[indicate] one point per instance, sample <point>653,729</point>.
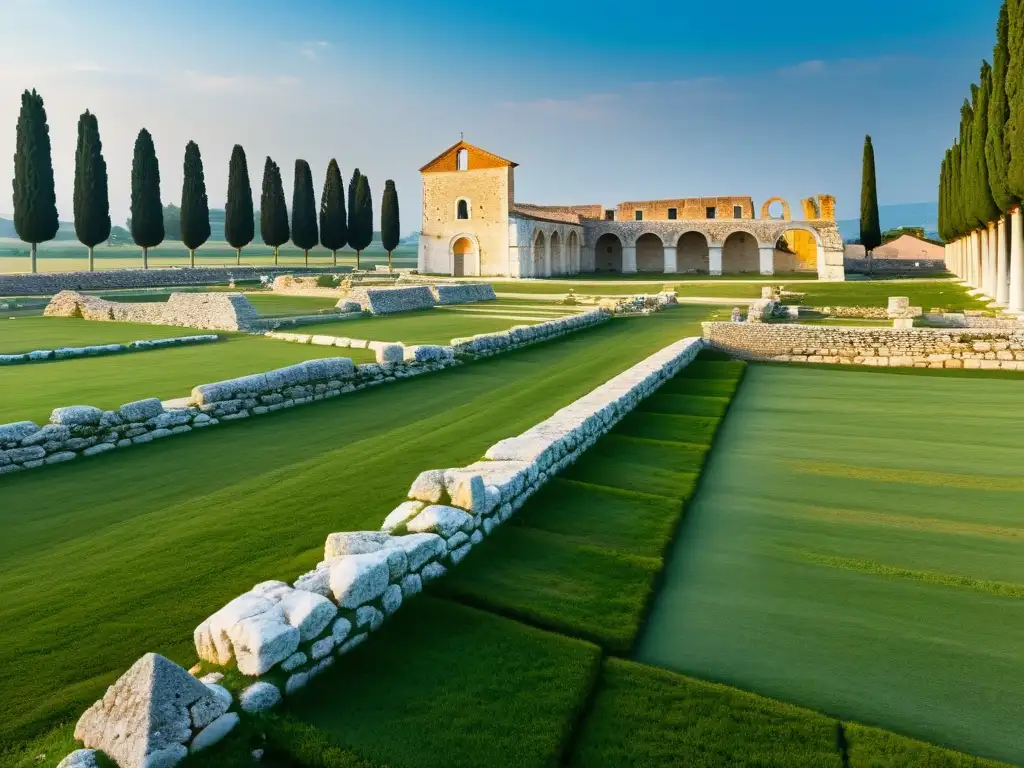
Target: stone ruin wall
<point>280,636</point>
<point>211,311</point>
<point>986,349</point>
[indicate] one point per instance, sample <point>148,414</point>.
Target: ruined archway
<point>796,250</point>
<point>539,249</point>
<point>766,209</point>
<point>740,254</point>
<point>650,253</point>
<point>693,254</point>
<point>608,253</point>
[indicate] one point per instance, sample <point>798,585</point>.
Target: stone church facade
<point>472,226</point>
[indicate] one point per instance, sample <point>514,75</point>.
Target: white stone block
<point>358,579</point>
<point>214,732</point>
<point>308,612</point>
<point>259,697</point>
<point>442,520</point>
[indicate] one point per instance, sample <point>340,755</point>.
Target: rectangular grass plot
<point>689,385</point>
<point>446,686</point>
<point>685,405</point>
<point>636,464</point>
<point>663,426</point>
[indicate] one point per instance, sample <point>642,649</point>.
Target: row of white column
<point>766,259</point>
<point>991,261</point>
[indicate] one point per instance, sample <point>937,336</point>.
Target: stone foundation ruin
<point>212,311</point>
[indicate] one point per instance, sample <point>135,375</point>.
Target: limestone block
<point>206,710</point>
<point>23,455</point>
<point>352,643</point>
<point>368,617</point>
<point>308,612</point>
<point>144,717</point>
<point>457,540</point>
<point>341,630</point>
<point>401,514</point>
<point>432,571</point>
<point>428,486</point>
<point>80,758</point>
<point>259,697</point>
<point>57,433</point>
<point>390,353</point>
<point>412,584</point>
<point>294,661</point>
<point>17,431</point>
<point>358,579</point>
<point>420,548</point>
<point>141,410</point>
<point>467,491</point>
<point>322,648</point>
<point>76,415</point>
<point>459,554</point>
<point>260,642</point>
<point>442,520</point>
<point>322,341</point>
<point>392,599</point>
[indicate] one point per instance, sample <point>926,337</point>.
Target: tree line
<point>333,226</point>
<point>981,176</point>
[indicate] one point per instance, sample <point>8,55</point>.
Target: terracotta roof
<point>558,214</point>
<point>466,145</point>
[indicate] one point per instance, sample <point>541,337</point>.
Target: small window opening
<point>462,160</point>
<point>672,214</point>
<point>710,212</point>
<point>639,215</point>
<point>609,215</point>
<point>463,212</point>
<point>737,211</point>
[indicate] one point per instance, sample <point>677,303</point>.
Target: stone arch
<point>740,253</point>
<point>557,255</point>
<point>608,253</point>
<point>693,253</point>
<point>650,253</point>
<point>573,247</point>
<point>766,209</point>
<point>796,249</point>
<point>464,256</point>
<point>539,254</point>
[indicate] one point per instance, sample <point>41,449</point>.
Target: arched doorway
<point>539,248</point>
<point>796,251</point>
<point>557,267</point>
<point>740,254</point>
<point>608,253</point>
<point>692,253</point>
<point>573,245</point>
<point>650,254</point>
<point>464,258</point>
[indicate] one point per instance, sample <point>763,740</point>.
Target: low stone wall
<point>386,301</point>
<point>214,311</point>
<point>641,304</point>
<point>487,344</point>
<point>891,266</point>
<point>967,320</point>
<point>463,293</point>
<point>82,430</point>
<point>68,353</point>
<point>46,284</point>
<point>913,347</point>
<point>287,634</point>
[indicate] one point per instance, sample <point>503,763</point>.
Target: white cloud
<point>313,49</point>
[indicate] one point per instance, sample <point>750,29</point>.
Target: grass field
<point>428,326</point>
<point>92,552</point>
<point>70,256</point>
<point>266,303</point>
<point>33,390</point>
<point>29,333</point>
<point>856,547</point>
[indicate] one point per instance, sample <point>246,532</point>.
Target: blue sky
<point>599,102</point>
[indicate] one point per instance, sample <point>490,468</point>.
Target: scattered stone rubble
<point>214,311</point>
<point>283,635</point>
<point>66,353</point>
<point>642,304</point>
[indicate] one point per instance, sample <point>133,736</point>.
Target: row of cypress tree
<point>333,227</point>
<point>981,178</point>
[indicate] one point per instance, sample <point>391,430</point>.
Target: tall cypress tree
<point>985,209</point>
<point>35,200</point>
<point>239,227</point>
<point>304,231</point>
<point>956,210</point>
<point>353,214</point>
<point>147,210</point>
<point>1014,131</point>
<point>273,211</point>
<point>996,155</point>
<point>360,223</point>
<point>967,218</point>
<point>91,201</point>
<point>195,207</point>
<point>390,227</point>
<point>333,219</point>
<point>943,166</point>
<point>870,230</point>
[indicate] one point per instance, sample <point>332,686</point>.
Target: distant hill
<point>924,215</point>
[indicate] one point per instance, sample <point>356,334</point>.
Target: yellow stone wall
<point>489,192</point>
<point>686,207</point>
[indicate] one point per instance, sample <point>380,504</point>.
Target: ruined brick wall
<point>886,347</point>
<point>686,208</point>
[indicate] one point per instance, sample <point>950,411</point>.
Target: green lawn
<point>105,558</point>
<point>583,555</point>
<point>26,334</point>
<point>34,390</point>
<point>857,547</point>
<point>266,303</point>
<point>473,689</point>
<point>428,326</point>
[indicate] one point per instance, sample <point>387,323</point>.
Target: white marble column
<point>1002,263</point>
<point>1016,292</point>
<point>715,259</point>
<point>977,270</point>
<point>766,259</point>
<point>989,263</point>
<point>671,266</point>
<point>628,259</point>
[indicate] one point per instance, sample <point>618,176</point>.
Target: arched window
<point>462,160</point>
<point>462,211</point>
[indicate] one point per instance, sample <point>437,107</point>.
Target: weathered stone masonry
<point>914,347</point>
